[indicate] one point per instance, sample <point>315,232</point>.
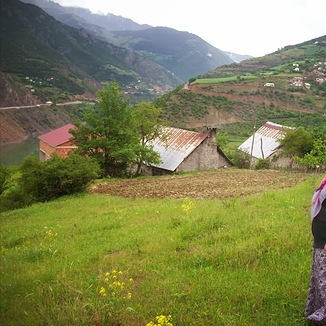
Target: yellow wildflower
<point>103,292</point>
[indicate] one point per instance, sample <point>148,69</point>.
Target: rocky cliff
<point>13,93</point>
<point>17,125</point>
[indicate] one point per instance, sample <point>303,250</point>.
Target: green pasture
<point>235,142</point>
<point>102,260</point>
<point>222,79</point>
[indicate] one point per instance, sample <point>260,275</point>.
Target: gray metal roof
<point>176,146</point>
<point>265,141</point>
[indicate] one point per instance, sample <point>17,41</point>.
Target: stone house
<point>184,151</point>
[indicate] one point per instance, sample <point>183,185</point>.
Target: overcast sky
<point>255,27</point>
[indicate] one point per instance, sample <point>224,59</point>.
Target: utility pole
<point>252,144</point>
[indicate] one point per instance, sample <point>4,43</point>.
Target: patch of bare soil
<point>218,184</point>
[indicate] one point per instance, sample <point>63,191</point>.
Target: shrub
<point>262,164</point>
<point>58,176</point>
<point>12,195</point>
<point>241,159</point>
<point>4,173</point>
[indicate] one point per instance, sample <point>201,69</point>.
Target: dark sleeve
<point>319,227</point>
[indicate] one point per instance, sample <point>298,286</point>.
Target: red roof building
<point>56,142</point>
<point>180,151</point>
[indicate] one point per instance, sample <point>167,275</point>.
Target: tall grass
<point>242,261</point>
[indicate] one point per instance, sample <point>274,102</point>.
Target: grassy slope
<point>242,261</point>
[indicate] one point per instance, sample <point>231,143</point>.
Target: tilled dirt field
<point>218,184</point>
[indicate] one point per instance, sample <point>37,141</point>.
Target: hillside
<point>182,257</point>
<point>232,97</point>
<point>288,87</point>
<point>19,124</point>
<point>13,92</point>
<point>60,62</point>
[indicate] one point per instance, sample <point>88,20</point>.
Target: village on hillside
<point>317,73</point>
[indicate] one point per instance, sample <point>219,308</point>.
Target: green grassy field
<point>235,142</point>
<point>222,79</point>
<point>101,260</point>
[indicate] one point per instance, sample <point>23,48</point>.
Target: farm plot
<point>218,184</point>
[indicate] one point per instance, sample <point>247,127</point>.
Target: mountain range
<point>68,56</point>
<point>109,26</point>
<point>44,59</point>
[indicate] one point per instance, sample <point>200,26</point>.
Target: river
<point>14,154</point>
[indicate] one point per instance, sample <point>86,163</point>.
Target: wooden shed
<point>56,142</point>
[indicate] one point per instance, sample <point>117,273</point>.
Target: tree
<point>148,126</point>
<point>222,140</point>
<point>106,133</point>
<point>316,158</point>
<point>118,135</point>
<point>296,143</point>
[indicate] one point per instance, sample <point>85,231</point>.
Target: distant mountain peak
<point>238,57</point>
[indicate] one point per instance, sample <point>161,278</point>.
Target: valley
<point>62,63</point>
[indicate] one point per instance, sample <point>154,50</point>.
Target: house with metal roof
<point>180,150</point>
<point>56,142</point>
<point>184,150</point>
<point>265,143</point>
